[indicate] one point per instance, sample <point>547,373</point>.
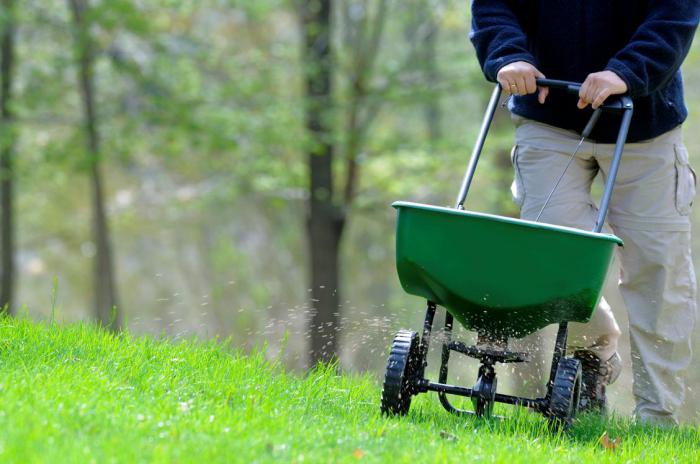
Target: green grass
<point>77,394</point>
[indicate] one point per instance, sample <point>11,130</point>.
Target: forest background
<point>167,163</point>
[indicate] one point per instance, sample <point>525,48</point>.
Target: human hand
<point>599,86</point>
<point>518,78</point>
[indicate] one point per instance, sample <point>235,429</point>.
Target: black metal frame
<point>484,392</point>
<point>486,370</point>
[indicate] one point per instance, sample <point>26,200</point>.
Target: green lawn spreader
<point>513,278</point>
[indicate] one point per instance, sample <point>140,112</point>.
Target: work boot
<point>596,375</point>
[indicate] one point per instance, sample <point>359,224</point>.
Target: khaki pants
<point>649,210</point>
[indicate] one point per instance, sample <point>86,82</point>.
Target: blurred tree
<point>326,217</point>
<point>105,292</point>
<point>365,85</point>
<point>362,31</point>
<point>7,146</point>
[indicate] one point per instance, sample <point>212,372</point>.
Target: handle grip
<point>570,87</point>
<point>613,103</point>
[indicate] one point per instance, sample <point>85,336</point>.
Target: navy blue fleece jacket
<point>642,41</point>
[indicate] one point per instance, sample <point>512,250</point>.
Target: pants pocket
<point>686,181</point>
<point>517,188</point>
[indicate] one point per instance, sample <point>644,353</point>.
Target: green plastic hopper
<point>497,274</point>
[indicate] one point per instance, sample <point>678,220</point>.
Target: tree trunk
<point>7,142</point>
<point>326,219</point>
<point>104,287</point>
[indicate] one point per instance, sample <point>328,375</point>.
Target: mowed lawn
<point>75,393</point>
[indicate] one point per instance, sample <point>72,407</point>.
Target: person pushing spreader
<point>505,278</point>
<point>502,278</point>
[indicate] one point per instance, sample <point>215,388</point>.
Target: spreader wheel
<point>401,372</point>
<point>566,393</point>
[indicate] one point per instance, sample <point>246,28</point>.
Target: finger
<point>505,85</point>
<point>592,93</point>
<point>530,84</point>
<point>584,94</point>
<point>509,86</point>
<point>543,91</point>
<point>600,99</point>
<point>583,91</point>
<point>520,82</point>
<point>539,75</point>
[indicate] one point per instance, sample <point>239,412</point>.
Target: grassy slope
<point>77,394</point>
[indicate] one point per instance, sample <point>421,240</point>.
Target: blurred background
<point>167,163</point>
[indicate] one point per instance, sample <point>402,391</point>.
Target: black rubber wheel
<point>401,371</point>
<point>566,393</point>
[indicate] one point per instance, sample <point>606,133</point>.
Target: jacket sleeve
<point>497,36</point>
<point>658,47</point>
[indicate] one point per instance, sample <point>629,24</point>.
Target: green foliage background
<point>201,116</point>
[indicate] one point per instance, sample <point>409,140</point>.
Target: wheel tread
<point>401,366</point>
<point>563,403</point>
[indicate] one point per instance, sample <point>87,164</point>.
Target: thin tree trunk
<point>326,220</point>
<point>104,287</point>
<point>7,143</point>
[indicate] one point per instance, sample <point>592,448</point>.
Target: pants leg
<point>649,211</point>
<point>539,157</point>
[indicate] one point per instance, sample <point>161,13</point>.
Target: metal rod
<point>451,389</point>
<point>571,87</point>
<point>559,353</point>
<point>614,166</point>
<point>496,355</point>
<point>449,320</point>
<point>468,392</point>
<point>449,407</point>
<point>584,135</point>
<point>591,123</point>
<point>556,184</point>
<point>476,152</point>
<point>425,340</point>
<point>516,400</point>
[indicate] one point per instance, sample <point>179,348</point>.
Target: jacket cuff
<point>626,74</point>
<point>491,70</point>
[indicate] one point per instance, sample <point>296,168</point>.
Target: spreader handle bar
<point>571,87</point>
<point>476,152</point>
<point>612,103</point>
<point>621,104</point>
<point>614,166</point>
